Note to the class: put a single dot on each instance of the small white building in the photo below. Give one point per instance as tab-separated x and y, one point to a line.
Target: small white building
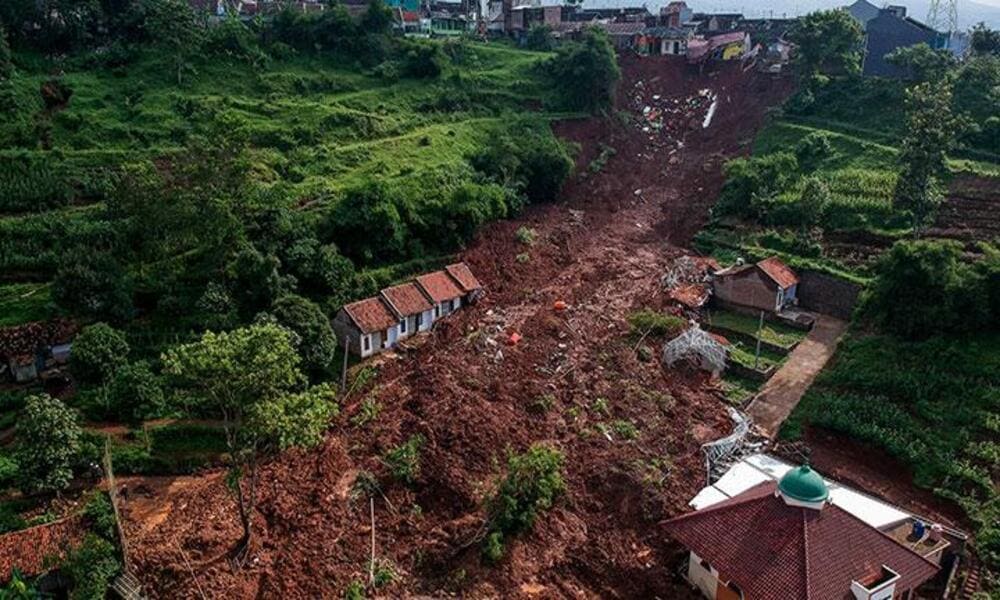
412	307
443	292
368	325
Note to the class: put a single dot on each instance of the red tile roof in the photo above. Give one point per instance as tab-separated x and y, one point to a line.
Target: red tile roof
693	295
439	286
26	550
407	299
462	274
370	315
772	550
778	272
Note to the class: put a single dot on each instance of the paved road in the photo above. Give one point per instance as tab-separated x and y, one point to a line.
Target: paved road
782	392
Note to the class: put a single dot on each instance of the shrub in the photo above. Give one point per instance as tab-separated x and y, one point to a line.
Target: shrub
790	243
8	471
654	323
91	566
93	284
533	483
812	149
98	351
403	461
540	38
100	516
751	181
526	235
423	60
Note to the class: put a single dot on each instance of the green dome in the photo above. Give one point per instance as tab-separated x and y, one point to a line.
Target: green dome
803	484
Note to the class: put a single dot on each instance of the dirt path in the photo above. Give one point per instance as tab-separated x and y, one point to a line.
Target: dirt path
781	394
630	430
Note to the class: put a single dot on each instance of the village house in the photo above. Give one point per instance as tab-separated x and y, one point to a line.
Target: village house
675	14
368	325
664	40
768	285
375	324
466	281
443	292
412	307
888	29
768	529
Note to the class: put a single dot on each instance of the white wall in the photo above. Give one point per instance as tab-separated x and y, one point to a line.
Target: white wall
707	581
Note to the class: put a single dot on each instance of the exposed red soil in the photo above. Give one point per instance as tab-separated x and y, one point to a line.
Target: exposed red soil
474	397
878	474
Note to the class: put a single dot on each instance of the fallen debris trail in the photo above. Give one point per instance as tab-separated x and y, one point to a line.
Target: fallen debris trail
630	430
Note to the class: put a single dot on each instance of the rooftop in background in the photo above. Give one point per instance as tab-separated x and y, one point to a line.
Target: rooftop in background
778	271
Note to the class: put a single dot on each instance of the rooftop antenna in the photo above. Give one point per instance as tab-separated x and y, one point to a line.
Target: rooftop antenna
943	15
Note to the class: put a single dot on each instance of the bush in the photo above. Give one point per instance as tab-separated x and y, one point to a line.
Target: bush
750	182
98	351
403	461
812	149
584	74
649	321
540	38
91	566
533	164
533	483
100	515
423	60
790	243
93	284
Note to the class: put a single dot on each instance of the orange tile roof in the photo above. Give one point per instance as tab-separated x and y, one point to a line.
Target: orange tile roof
463	275
407	299
778	271
773	550
438	286
370	315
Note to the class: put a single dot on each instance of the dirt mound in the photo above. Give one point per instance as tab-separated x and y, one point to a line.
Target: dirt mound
630	430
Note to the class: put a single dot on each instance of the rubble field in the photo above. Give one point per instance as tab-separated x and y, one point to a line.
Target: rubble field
630	430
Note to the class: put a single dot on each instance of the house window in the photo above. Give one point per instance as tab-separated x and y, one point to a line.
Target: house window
366	343
420	320
456	303
437	311
402	325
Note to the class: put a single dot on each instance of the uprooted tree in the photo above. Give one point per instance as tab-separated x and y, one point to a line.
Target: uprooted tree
250	379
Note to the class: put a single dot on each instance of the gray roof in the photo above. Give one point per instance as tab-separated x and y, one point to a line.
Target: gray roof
863	11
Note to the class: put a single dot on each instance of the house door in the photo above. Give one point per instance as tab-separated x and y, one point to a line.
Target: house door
392	335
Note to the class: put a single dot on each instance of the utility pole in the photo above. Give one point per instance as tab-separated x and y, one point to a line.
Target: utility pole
760	326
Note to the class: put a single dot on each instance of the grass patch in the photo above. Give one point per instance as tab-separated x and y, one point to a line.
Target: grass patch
651	322
738	389
23	302
778	334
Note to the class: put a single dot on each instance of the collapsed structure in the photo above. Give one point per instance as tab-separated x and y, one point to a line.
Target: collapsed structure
698	346
375	324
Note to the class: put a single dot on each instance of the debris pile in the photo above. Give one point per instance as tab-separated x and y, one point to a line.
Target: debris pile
667	120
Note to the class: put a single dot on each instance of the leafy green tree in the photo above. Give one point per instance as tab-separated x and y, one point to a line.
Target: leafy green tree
750	183
531	163
177	28
250	378
19	588
985	41
91	566
6	62
314	336
94	284
255	279
98	351
827	42
540	38
930	134
423	60
923	63
976	98
923	288
135	393
585	73
533	483
48	444
377	18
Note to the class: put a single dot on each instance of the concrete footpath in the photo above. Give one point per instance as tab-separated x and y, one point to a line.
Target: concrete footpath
782	392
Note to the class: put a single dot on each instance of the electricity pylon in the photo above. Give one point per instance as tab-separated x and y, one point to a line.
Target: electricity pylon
943	15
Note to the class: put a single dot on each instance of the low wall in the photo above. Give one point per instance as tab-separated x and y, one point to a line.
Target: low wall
732	334
822	293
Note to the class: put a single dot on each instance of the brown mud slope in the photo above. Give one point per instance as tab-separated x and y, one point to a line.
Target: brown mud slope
474	397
